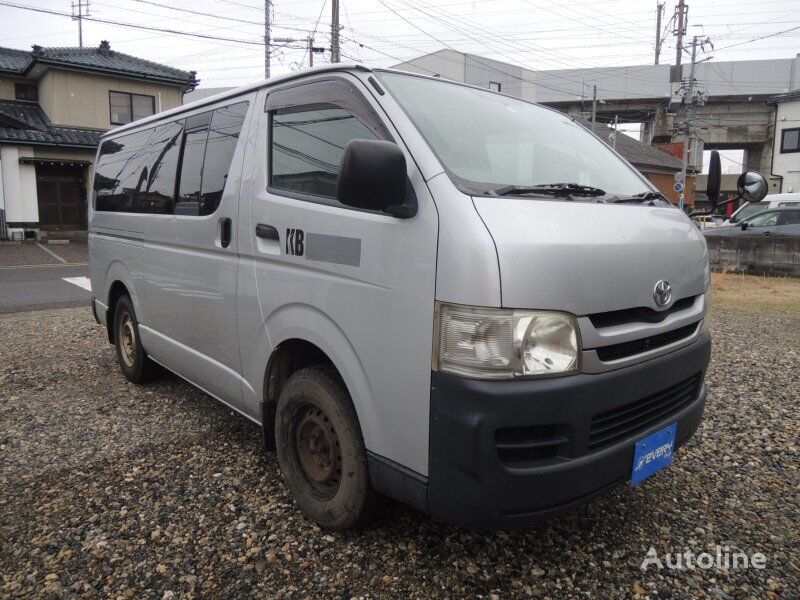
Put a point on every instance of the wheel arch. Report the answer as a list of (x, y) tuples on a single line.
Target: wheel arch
[(118, 283), (302, 336)]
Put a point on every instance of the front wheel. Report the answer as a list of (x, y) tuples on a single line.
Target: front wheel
[(133, 361), (321, 450)]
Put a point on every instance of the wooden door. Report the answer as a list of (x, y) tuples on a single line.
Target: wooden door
[(62, 204)]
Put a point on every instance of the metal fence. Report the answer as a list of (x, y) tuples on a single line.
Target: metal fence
[(755, 254)]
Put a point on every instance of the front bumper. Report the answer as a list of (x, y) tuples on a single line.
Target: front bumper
[(508, 453)]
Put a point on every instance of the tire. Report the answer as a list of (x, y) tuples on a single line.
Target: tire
[(321, 450), (132, 359)]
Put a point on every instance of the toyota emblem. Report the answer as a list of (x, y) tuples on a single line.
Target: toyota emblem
[(662, 293)]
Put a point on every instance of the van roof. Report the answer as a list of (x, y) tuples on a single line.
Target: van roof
[(782, 197), (233, 93)]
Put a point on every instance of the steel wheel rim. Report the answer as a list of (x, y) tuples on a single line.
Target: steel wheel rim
[(127, 339), (316, 449)]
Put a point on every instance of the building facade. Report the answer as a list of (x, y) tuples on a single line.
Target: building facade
[(55, 103), (786, 147)]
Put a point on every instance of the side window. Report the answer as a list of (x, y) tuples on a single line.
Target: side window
[(307, 147), (121, 171), (791, 217), (223, 135), (158, 194), (194, 151), (142, 172), (766, 219)]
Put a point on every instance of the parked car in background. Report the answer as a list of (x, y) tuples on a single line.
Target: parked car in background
[(750, 209), (706, 222), (779, 222)]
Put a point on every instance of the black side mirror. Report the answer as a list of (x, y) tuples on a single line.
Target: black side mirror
[(714, 179), (373, 176), (744, 225), (752, 186)]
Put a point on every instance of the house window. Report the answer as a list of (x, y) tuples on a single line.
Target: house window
[(494, 86), (127, 107), (26, 91), (790, 140)]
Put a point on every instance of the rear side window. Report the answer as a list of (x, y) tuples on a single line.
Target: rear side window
[(307, 147), (158, 193), (223, 134), (194, 150), (791, 217), (209, 143), (121, 170), (143, 172)]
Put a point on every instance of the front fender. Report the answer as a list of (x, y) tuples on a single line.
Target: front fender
[(305, 322)]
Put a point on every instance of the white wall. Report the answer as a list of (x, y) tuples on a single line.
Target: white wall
[(725, 78), (19, 185), (447, 64), (787, 165)]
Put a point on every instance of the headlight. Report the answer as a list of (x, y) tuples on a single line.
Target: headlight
[(491, 343)]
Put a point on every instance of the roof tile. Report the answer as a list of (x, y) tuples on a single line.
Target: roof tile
[(27, 122), (101, 57)]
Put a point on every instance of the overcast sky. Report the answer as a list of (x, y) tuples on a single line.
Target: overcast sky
[(538, 34)]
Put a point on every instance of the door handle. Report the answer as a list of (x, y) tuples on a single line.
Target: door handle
[(767, 233), (267, 232), (225, 231)]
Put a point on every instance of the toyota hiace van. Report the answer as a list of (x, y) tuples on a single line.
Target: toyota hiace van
[(416, 288)]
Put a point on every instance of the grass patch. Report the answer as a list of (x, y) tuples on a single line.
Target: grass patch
[(736, 290)]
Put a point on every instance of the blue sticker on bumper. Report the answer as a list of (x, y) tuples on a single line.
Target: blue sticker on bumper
[(653, 453)]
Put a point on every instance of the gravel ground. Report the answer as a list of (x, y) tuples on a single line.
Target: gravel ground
[(112, 490)]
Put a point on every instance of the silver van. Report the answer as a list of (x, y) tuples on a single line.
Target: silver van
[(418, 289)]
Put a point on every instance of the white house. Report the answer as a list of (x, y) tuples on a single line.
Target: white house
[(786, 154)]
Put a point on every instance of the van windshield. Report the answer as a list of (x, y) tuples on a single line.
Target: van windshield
[(494, 144)]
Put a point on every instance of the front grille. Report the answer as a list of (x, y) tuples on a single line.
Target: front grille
[(626, 349), (519, 446), (642, 314), (627, 420)]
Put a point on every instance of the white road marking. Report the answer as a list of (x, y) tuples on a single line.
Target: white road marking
[(50, 252), (82, 282)]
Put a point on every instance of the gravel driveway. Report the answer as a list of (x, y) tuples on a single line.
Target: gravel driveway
[(113, 490)]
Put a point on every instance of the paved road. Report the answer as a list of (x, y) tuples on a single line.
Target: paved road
[(39, 287)]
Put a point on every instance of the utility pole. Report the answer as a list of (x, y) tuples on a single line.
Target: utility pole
[(267, 36), (688, 100), (594, 109), (80, 9), (310, 48), (659, 11), (616, 133), (681, 22), (335, 31)]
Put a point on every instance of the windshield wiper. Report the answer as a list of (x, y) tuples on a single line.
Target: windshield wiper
[(643, 197), (564, 190)]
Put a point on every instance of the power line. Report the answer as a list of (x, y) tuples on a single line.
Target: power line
[(763, 37), (135, 26), (199, 13)]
